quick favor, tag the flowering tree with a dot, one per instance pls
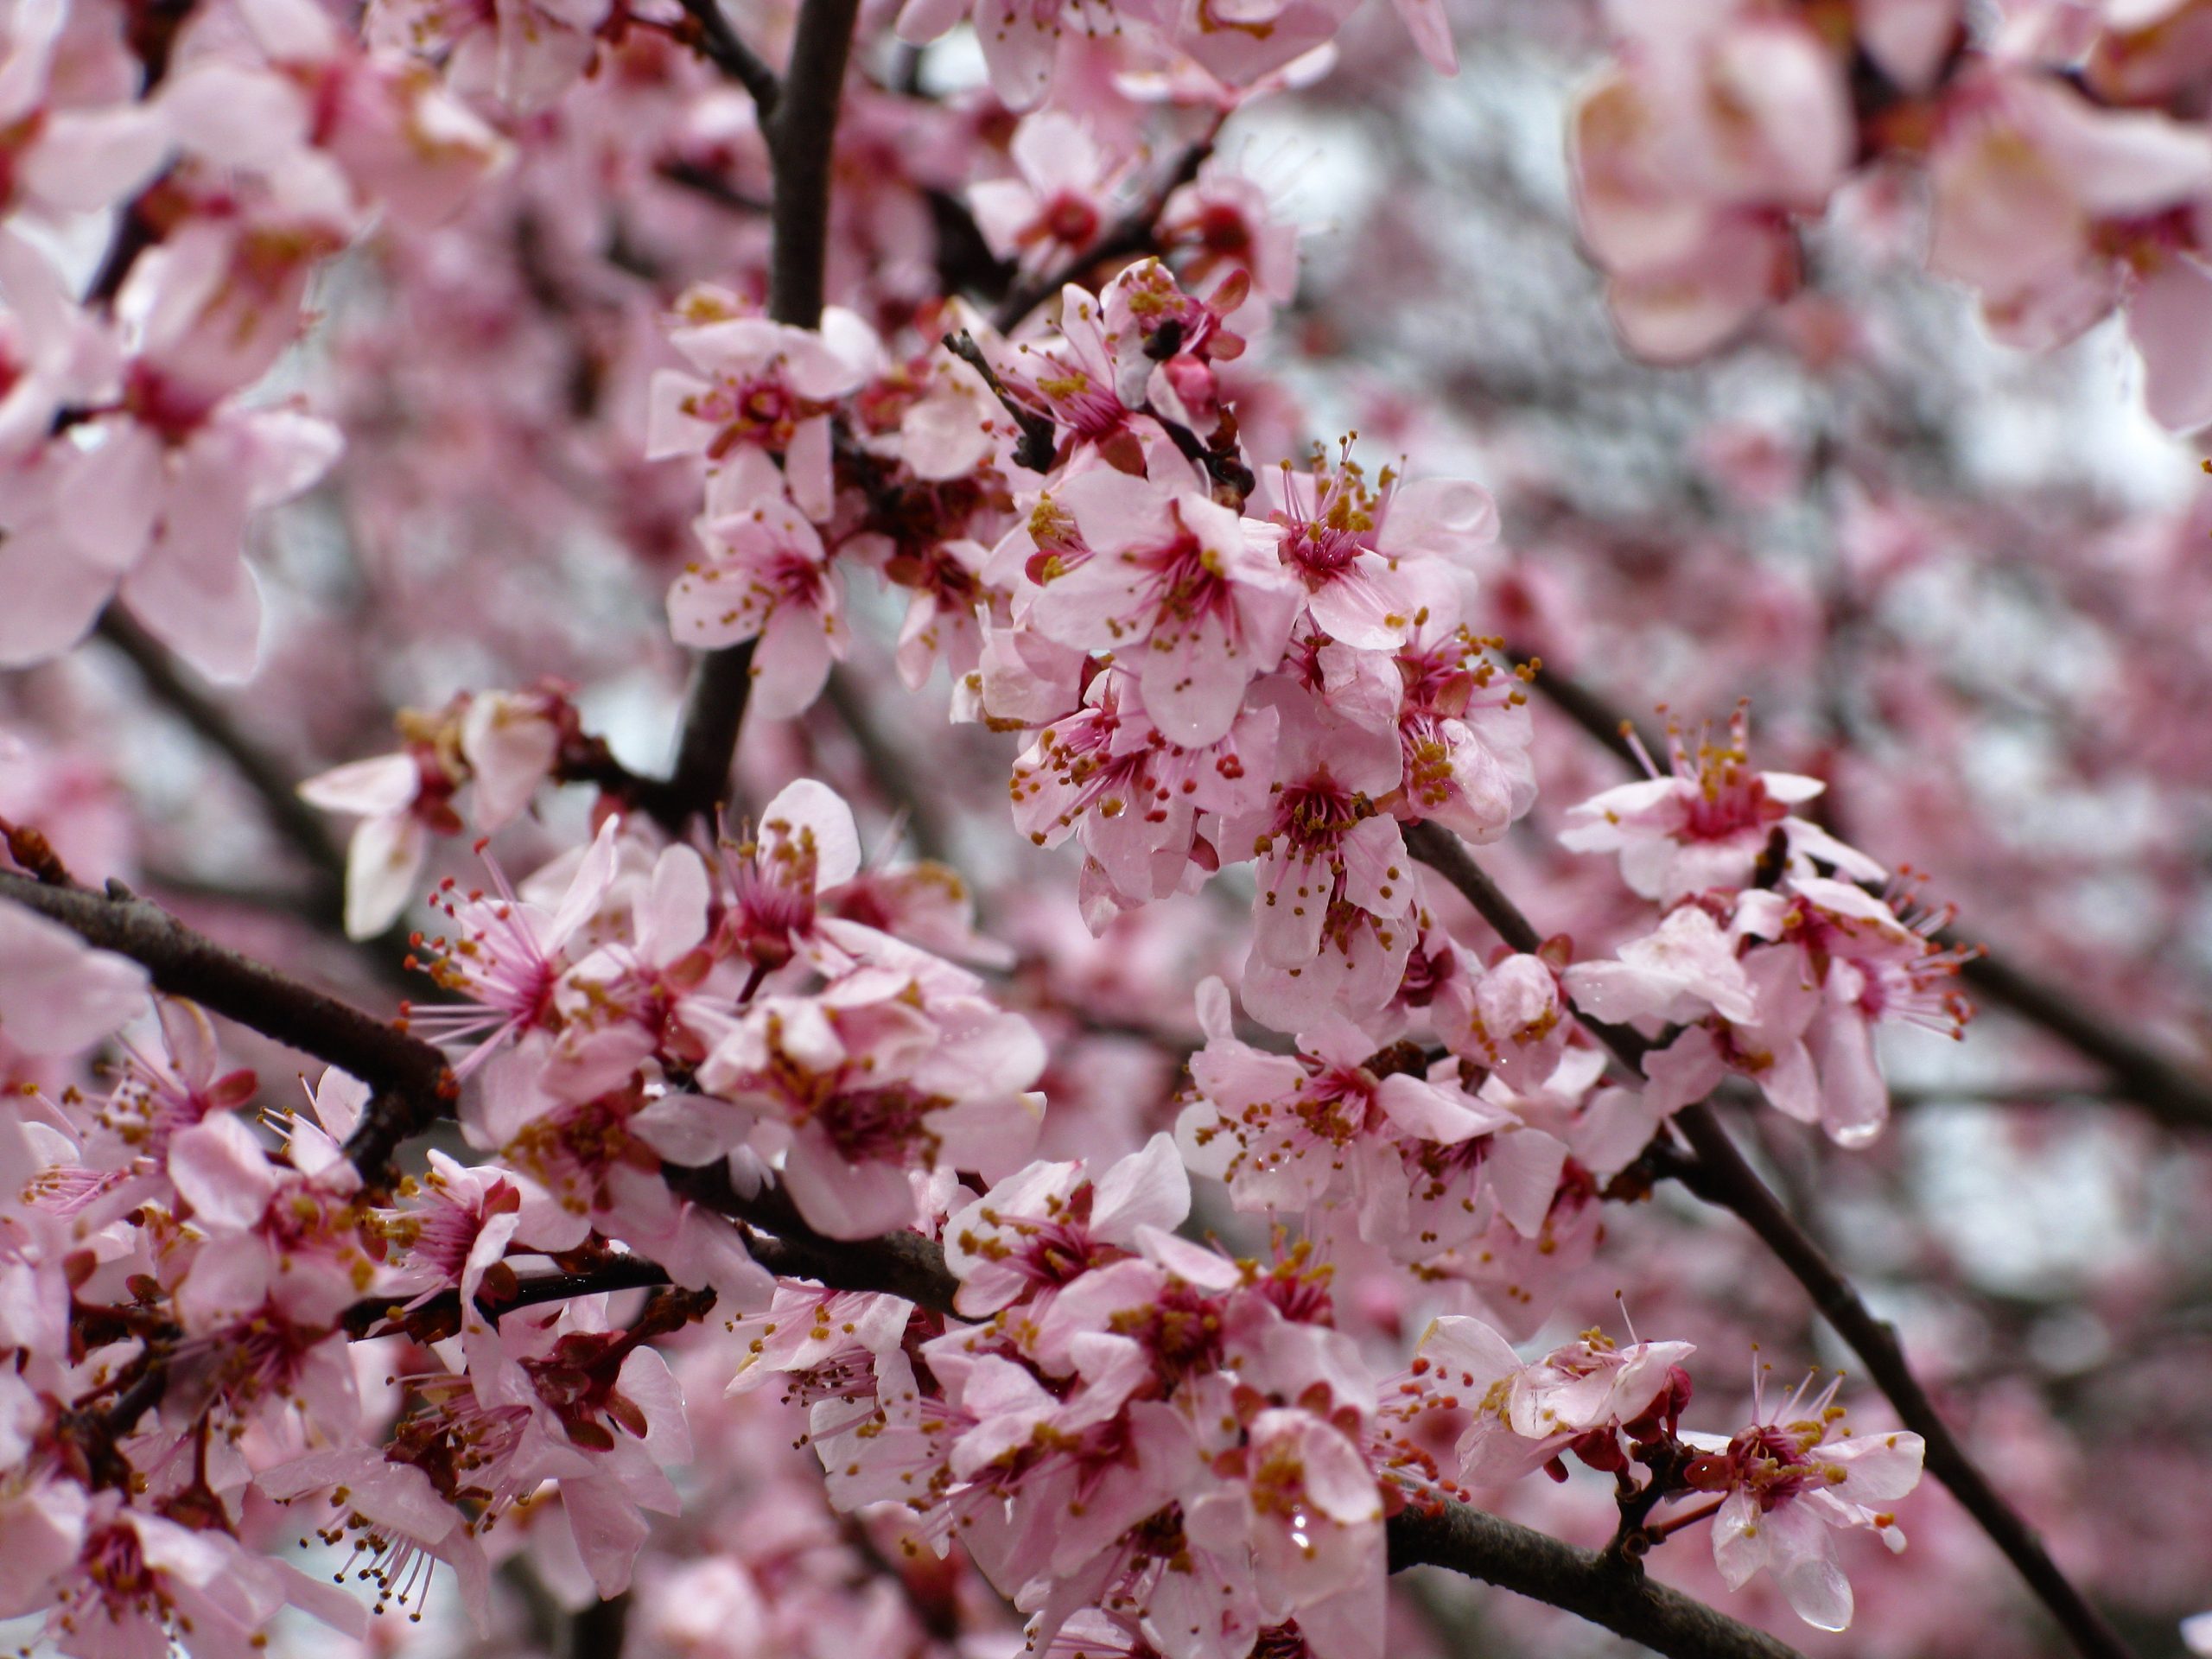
(748, 1190)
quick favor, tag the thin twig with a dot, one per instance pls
(271, 779)
(705, 181)
(439, 1317)
(597, 1630)
(713, 715)
(1721, 1176)
(720, 46)
(903, 1264)
(1038, 435)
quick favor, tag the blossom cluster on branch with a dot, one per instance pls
(700, 1125)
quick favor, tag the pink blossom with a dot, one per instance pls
(524, 53)
(1707, 823)
(1364, 553)
(1788, 1480)
(767, 390)
(1050, 1222)
(1175, 583)
(1020, 39)
(142, 1582)
(2036, 190)
(851, 1093)
(1285, 1131)
(57, 994)
(505, 957)
(1464, 729)
(1332, 918)
(1582, 1395)
(1061, 201)
(66, 152)
(768, 577)
(1136, 797)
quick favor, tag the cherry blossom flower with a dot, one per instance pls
(1049, 1223)
(1581, 1396)
(58, 994)
(767, 577)
(1707, 823)
(1061, 202)
(1175, 582)
(1332, 918)
(1788, 1480)
(767, 391)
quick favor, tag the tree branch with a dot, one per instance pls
(903, 1264)
(800, 123)
(439, 1316)
(1445, 854)
(272, 780)
(802, 132)
(1582, 1581)
(720, 45)
(412, 1086)
(1721, 1176)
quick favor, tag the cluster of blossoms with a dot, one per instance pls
(1117, 1425)
(742, 1016)
(723, 1069)
(250, 145)
(1780, 1488)
(2063, 145)
(1767, 963)
(1153, 1448)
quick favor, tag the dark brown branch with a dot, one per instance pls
(1599, 1588)
(272, 780)
(2171, 1092)
(705, 181)
(714, 714)
(1589, 711)
(1038, 435)
(802, 132)
(412, 1083)
(597, 1630)
(903, 1264)
(439, 1316)
(585, 758)
(1445, 854)
(720, 44)
(1721, 1176)
(800, 123)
